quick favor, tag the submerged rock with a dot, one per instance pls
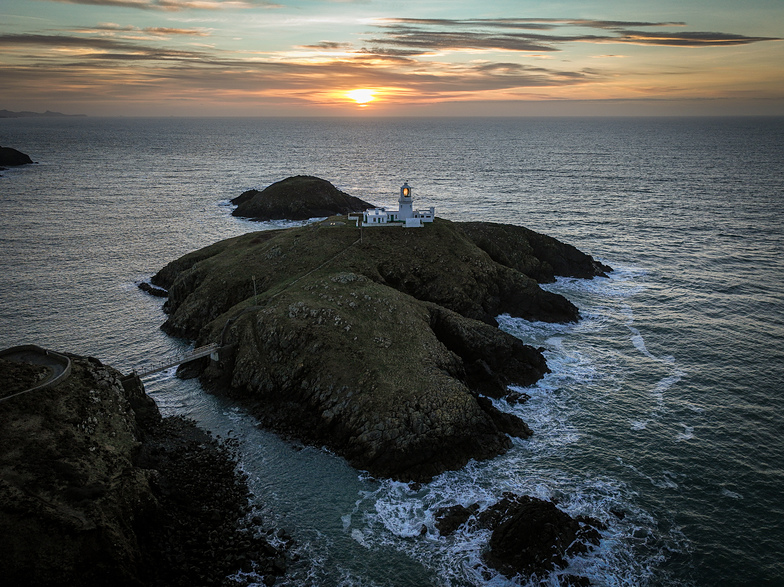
(296, 198)
(380, 344)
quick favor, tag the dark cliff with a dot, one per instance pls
(97, 489)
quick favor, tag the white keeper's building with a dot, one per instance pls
(405, 215)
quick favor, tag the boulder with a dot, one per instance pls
(152, 290)
(533, 536)
(529, 536)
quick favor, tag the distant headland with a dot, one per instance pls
(28, 114)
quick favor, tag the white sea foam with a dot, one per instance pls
(687, 434)
(359, 537)
(623, 282)
(620, 559)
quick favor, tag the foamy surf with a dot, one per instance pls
(402, 517)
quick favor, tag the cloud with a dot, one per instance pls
(425, 41)
(427, 35)
(686, 39)
(219, 71)
(328, 45)
(111, 29)
(527, 23)
(100, 47)
(177, 5)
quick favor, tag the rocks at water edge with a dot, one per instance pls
(152, 290)
(97, 489)
(296, 198)
(530, 536)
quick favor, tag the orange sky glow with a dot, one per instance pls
(258, 58)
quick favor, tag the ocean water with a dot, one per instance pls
(661, 416)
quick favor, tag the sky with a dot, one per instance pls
(393, 57)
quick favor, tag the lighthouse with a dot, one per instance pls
(405, 201)
(405, 215)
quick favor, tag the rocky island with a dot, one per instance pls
(380, 343)
(10, 157)
(296, 198)
(96, 488)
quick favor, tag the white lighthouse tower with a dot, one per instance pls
(405, 216)
(406, 209)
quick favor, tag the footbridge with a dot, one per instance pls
(197, 353)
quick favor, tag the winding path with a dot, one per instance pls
(59, 366)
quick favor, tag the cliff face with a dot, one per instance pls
(381, 347)
(296, 198)
(68, 488)
(97, 489)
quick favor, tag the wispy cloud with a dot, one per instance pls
(100, 47)
(177, 5)
(134, 32)
(504, 34)
(328, 46)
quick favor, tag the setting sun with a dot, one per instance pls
(362, 96)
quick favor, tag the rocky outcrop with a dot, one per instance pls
(296, 198)
(11, 157)
(352, 364)
(97, 489)
(530, 536)
(152, 290)
(536, 255)
(381, 344)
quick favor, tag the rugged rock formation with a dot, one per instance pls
(538, 256)
(11, 157)
(296, 198)
(152, 290)
(97, 489)
(376, 343)
(529, 535)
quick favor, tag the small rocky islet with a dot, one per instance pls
(10, 157)
(300, 197)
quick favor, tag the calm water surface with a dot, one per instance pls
(661, 416)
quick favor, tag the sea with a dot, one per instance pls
(662, 414)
